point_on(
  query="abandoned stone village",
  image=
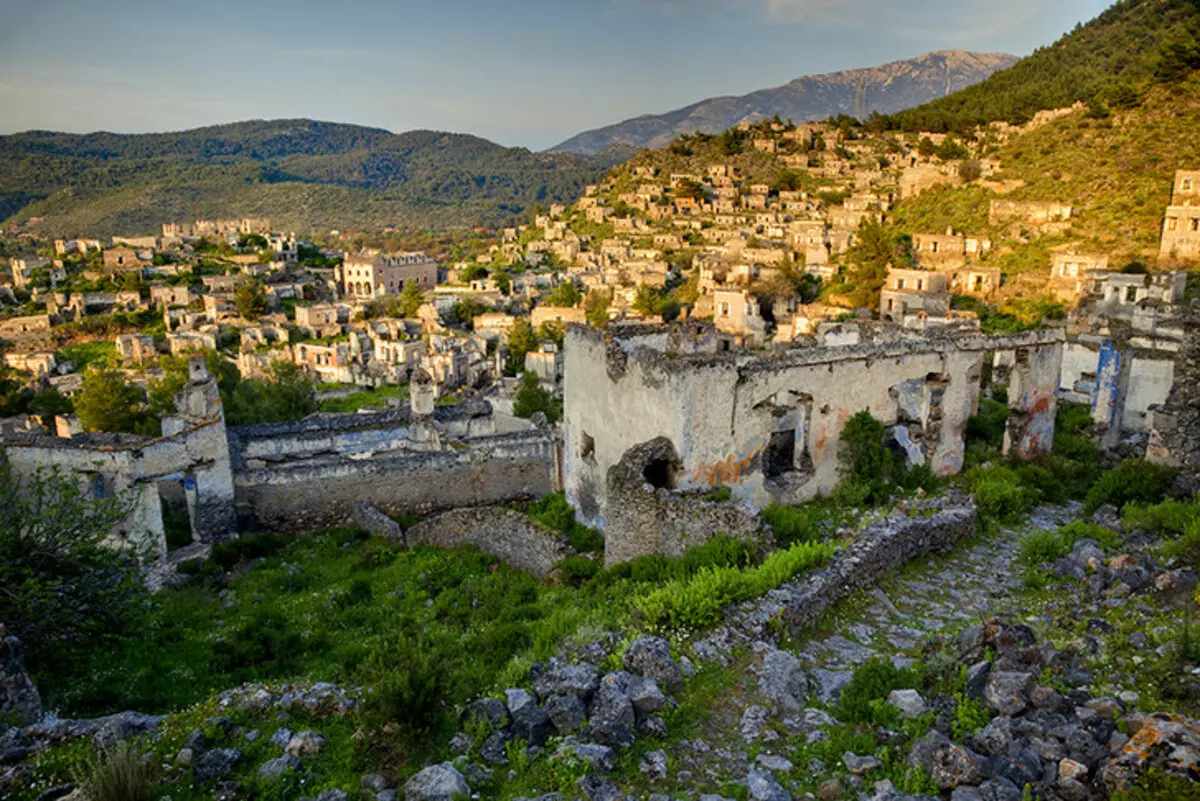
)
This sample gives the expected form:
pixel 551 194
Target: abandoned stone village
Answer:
pixel 717 429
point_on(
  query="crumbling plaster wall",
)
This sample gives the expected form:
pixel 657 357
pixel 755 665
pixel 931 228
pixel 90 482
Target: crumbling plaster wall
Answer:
pixel 198 456
pixel 728 415
pixel 1151 376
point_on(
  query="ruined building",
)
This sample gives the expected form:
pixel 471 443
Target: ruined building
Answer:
pixel 297 475
pixel 766 425
pixel 1181 227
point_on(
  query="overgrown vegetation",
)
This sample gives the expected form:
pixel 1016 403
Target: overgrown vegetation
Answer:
pixel 1133 42
pixel 63 590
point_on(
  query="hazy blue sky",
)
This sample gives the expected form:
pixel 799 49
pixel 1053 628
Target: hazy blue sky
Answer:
pixel 522 72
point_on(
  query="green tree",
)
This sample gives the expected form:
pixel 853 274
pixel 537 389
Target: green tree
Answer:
pixel 61 588
pixel 649 301
pixel 410 299
pixel 597 307
pixel 286 394
pixel 521 340
pixel 250 299
pixel 531 398
pixel 1124 96
pixel 564 296
pixel 107 403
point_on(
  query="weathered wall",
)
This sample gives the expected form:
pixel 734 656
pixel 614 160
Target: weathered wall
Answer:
pixel 1175 427
pixel 108 465
pixel 644 519
pixel 1033 400
pixel 305 494
pixel 1151 376
pixel 509 536
pixel 768 425
pixel 344 435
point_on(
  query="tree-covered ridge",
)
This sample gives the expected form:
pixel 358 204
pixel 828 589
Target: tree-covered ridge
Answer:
pixel 300 172
pixel 1133 42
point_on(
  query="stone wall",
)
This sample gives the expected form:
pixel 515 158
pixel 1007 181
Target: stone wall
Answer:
pixel 644 519
pixel 304 494
pixel 1175 427
pixel 880 548
pixel 509 536
pixel 768 425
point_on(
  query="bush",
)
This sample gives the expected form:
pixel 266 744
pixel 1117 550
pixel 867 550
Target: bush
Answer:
pixel 1000 496
pixel 1134 480
pixel 117 773
pixel 577 570
pixel 698 601
pixel 1042 547
pixel 868 688
pixel 249 546
pixel 1172 516
pixel 1186 548
pixel 554 512
pixel 793 524
pixel 263 646
pixel 61 587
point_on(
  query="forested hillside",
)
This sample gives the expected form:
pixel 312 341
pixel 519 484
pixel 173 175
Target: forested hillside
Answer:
pixel 301 173
pixel 1134 41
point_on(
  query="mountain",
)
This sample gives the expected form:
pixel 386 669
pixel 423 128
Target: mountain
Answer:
pixel 886 89
pixel 1104 61
pixel 305 175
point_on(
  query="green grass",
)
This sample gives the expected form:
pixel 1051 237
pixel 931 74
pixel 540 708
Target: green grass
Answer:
pixel 367 399
pixel 697 601
pixel 88 354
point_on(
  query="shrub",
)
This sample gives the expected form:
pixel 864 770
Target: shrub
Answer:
pixel 1042 547
pixel 554 512
pixel 577 570
pixel 117 773
pixel 699 600
pixel 793 524
pixel 1000 496
pixel 61 587
pixel 970 716
pixel 868 688
pixel 1173 516
pixel 1186 548
pixel 265 645
pixel 1134 480
pixel 249 546
pixel 718 495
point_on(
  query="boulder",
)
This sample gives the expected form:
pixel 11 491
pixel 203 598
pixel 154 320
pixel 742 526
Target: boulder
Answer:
pixel 1007 692
pixel 19 699
pixel 305 744
pixel 645 696
pixel 567 713
pixel 764 787
pixel 922 751
pixel 274 768
pixel 580 679
pixel 215 764
pixel 611 716
pixel 437 783
pixel 598 757
pixel 954 765
pixel 488 710
pixel 909 702
pixel 781 681
pixel 530 722
pixel 651 657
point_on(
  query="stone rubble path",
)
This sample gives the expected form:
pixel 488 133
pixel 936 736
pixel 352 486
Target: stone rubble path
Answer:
pixel 971 584
pixel 935 595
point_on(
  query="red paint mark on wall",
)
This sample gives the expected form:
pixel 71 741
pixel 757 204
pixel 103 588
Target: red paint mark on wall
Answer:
pixel 725 471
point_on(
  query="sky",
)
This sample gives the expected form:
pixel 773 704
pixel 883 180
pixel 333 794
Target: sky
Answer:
pixel 519 72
